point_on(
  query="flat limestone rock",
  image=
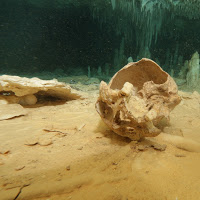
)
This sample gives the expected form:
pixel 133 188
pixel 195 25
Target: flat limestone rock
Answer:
pixel 8 111
pixel 31 141
pixel 138 100
pixel 24 90
pixel 4 150
pixel 45 141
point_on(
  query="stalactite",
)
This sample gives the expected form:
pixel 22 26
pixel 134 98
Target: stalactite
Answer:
pixel 113 2
pixel 146 18
pixel 176 54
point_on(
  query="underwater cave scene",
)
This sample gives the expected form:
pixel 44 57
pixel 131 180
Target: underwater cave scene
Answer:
pixel 96 38
pixel 99 100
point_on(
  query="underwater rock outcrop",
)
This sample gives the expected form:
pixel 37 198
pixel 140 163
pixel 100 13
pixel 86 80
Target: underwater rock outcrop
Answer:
pixel 137 100
pixel 25 91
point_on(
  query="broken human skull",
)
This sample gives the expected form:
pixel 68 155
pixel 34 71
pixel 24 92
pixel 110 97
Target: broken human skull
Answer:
pixel 137 100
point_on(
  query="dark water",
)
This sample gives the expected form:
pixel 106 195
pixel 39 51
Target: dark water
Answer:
pixel 60 37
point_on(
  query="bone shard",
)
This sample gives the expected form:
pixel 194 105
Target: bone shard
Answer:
pixel 138 98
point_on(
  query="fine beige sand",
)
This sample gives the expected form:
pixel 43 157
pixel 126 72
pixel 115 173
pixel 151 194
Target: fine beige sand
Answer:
pixel 62 150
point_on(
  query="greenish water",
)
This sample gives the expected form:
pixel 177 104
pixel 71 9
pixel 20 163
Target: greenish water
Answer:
pixel 57 38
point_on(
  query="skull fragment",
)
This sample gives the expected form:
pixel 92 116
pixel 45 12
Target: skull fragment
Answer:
pixel 137 100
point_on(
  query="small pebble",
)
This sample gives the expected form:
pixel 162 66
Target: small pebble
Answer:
pixel 80 148
pixel 68 168
pixel 160 147
pixel 114 163
pixel 141 147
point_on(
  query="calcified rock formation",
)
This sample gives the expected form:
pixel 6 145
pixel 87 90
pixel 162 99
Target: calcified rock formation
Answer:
pixel 137 99
pixel 183 72
pixel 193 73
pixel 25 91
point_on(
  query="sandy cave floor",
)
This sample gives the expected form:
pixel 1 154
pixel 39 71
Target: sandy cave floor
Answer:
pixel 64 151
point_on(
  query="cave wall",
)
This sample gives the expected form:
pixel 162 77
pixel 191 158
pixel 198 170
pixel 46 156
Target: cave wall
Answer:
pixel 65 37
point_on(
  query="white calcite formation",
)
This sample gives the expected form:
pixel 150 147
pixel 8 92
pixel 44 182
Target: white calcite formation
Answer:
pixel 137 100
pixel 193 73
pixel 15 89
pixel 183 72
